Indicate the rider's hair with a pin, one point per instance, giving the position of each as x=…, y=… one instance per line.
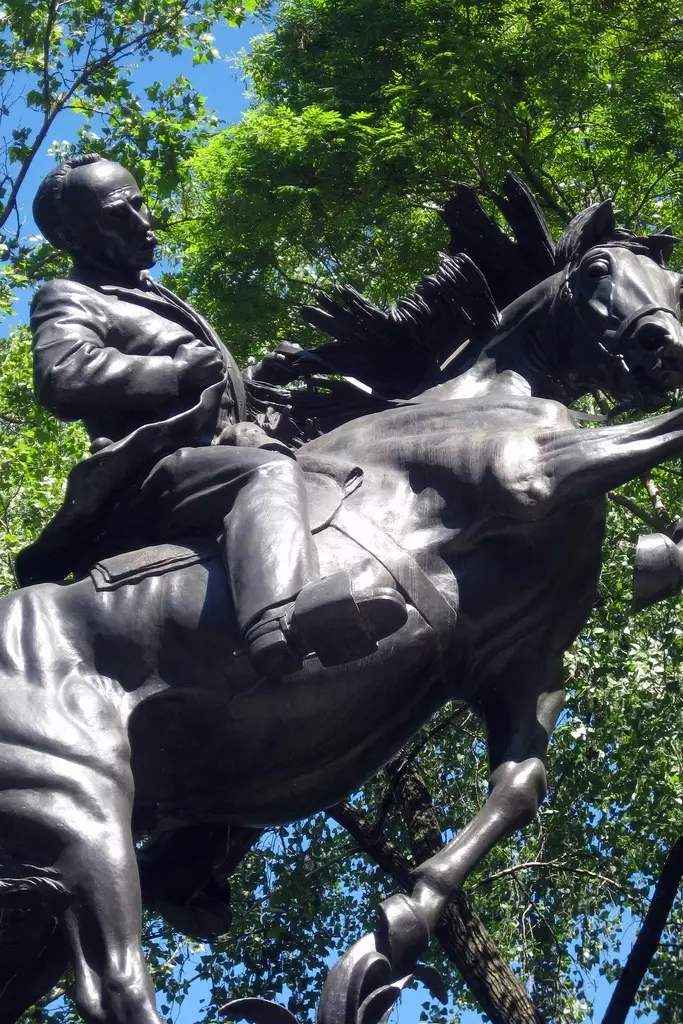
x=49, y=206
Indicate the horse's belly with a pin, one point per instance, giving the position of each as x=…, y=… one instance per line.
x=532, y=584
x=285, y=749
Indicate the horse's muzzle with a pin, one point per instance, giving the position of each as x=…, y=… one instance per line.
x=655, y=356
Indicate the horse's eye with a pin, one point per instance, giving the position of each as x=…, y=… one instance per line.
x=598, y=268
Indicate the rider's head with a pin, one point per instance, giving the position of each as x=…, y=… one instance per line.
x=93, y=209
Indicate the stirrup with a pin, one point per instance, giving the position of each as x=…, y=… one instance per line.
x=328, y=621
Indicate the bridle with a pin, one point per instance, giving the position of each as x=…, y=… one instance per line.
x=615, y=336
x=606, y=341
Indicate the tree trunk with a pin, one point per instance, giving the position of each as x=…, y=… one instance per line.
x=645, y=947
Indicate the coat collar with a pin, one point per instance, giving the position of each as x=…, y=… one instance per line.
x=144, y=291
x=105, y=280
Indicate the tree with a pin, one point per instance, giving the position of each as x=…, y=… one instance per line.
x=365, y=115
x=57, y=56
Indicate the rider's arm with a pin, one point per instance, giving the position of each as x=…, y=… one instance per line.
x=75, y=371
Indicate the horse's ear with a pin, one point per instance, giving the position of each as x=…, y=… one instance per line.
x=665, y=243
x=588, y=228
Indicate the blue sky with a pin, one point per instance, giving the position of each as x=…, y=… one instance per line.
x=224, y=88
x=220, y=82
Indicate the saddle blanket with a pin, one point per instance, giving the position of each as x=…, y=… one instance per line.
x=135, y=566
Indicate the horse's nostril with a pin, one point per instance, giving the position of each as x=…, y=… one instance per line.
x=652, y=337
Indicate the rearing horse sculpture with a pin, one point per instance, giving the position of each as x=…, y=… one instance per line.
x=122, y=695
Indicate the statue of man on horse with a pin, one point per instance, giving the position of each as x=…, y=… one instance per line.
x=164, y=404
x=458, y=510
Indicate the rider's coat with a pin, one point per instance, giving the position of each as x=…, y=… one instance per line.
x=89, y=338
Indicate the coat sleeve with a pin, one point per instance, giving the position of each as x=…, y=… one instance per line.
x=76, y=372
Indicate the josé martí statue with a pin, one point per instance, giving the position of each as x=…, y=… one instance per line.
x=460, y=521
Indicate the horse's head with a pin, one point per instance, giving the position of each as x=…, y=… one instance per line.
x=622, y=307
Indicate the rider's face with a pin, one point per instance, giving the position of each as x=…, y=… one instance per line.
x=109, y=226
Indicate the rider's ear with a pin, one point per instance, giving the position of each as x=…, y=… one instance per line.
x=66, y=237
x=588, y=228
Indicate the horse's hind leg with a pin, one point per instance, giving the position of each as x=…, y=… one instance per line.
x=33, y=957
x=103, y=921
x=520, y=714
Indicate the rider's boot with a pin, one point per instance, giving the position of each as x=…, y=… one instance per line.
x=326, y=619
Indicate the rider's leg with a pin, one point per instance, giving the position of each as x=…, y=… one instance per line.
x=257, y=499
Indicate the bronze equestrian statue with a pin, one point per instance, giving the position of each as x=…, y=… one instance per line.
x=129, y=698
x=159, y=394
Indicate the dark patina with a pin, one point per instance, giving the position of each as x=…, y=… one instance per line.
x=471, y=492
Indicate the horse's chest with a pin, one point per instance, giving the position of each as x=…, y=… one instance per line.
x=527, y=579
x=468, y=461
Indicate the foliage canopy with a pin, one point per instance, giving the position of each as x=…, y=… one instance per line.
x=365, y=115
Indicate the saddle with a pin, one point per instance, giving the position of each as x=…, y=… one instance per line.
x=326, y=507
x=325, y=497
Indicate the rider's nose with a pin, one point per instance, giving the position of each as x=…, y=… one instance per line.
x=143, y=218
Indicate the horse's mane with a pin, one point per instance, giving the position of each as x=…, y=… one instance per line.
x=438, y=331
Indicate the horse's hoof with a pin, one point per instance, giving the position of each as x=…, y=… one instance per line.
x=402, y=933
x=365, y=983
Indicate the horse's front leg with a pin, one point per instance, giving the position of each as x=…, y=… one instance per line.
x=520, y=714
x=103, y=921
x=572, y=465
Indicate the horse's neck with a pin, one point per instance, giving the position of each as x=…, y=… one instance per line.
x=520, y=357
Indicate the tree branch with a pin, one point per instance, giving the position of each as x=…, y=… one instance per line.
x=648, y=939
x=379, y=849
x=50, y=997
x=557, y=864
x=539, y=187
x=658, y=506
x=405, y=758
x=636, y=510
x=51, y=113
x=51, y=14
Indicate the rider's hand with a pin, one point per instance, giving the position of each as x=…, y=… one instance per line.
x=250, y=435
x=198, y=366
x=278, y=367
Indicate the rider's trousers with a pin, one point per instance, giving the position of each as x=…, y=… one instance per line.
x=255, y=499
